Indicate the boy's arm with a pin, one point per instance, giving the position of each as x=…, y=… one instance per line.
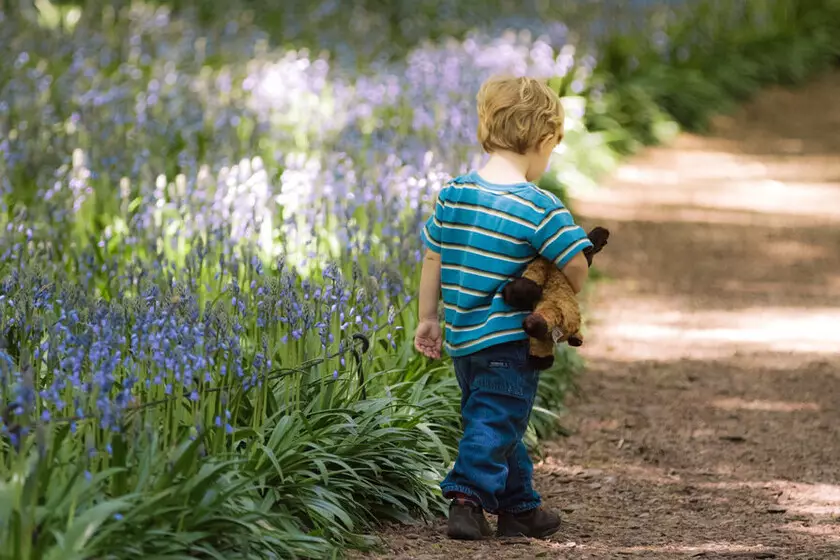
x=430, y=287
x=428, y=339
x=576, y=272
x=560, y=240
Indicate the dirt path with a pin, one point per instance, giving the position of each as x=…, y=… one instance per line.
x=710, y=420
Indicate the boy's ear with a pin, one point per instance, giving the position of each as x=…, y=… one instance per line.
x=547, y=142
x=552, y=140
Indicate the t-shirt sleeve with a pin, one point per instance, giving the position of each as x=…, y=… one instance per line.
x=432, y=229
x=558, y=238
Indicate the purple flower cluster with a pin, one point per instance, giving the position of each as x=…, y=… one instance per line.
x=184, y=211
x=164, y=338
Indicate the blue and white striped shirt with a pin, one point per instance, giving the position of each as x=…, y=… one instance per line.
x=487, y=234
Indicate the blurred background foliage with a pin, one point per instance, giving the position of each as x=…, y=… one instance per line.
x=209, y=244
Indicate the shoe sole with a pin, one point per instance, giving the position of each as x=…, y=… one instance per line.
x=465, y=537
x=545, y=534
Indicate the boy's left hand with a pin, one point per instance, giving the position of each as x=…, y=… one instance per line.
x=428, y=339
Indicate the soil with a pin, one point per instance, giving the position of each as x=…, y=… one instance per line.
x=708, y=424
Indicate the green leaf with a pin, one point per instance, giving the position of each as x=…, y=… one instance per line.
x=427, y=429
x=185, y=460
x=86, y=524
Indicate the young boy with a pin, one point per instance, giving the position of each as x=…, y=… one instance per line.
x=487, y=226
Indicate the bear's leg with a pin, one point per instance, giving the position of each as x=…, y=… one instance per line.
x=536, y=326
x=576, y=340
x=524, y=293
x=558, y=309
x=541, y=355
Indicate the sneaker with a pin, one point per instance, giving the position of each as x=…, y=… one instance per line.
x=537, y=523
x=467, y=521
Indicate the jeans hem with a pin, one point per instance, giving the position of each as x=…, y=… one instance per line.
x=451, y=488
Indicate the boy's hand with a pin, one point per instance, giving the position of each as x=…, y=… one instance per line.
x=429, y=338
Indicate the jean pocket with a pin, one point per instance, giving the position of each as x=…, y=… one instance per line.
x=499, y=363
x=512, y=354
x=507, y=372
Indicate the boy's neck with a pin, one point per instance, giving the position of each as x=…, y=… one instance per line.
x=505, y=167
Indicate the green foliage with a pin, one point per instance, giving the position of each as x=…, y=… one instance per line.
x=300, y=484
x=555, y=384
x=717, y=54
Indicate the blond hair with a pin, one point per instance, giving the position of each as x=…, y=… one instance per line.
x=517, y=114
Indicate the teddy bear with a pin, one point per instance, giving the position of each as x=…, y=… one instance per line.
x=555, y=315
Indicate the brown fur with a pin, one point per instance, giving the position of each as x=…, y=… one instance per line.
x=558, y=308
x=555, y=314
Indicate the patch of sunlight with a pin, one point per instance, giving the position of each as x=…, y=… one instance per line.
x=295, y=93
x=675, y=166
x=613, y=205
x=672, y=167
x=764, y=406
x=792, y=251
x=769, y=329
x=813, y=499
x=828, y=531
x=547, y=544
x=729, y=202
x=812, y=168
x=701, y=179
x=798, y=498
x=771, y=196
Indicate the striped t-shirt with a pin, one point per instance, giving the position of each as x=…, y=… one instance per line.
x=486, y=235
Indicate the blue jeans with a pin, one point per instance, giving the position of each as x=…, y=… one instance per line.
x=498, y=388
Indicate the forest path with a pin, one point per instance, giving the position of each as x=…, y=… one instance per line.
x=709, y=422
